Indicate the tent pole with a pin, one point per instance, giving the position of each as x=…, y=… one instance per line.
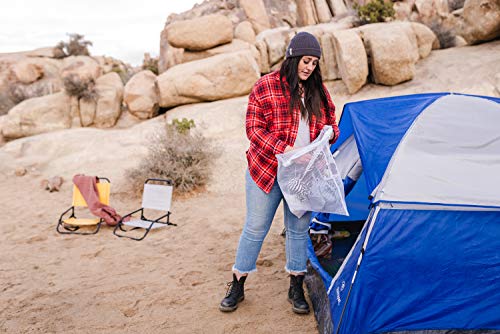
x=362, y=252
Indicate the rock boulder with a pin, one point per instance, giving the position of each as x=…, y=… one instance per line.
x=200, y=33
x=141, y=95
x=109, y=88
x=214, y=78
x=38, y=115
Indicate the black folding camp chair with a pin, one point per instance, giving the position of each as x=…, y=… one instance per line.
x=155, y=197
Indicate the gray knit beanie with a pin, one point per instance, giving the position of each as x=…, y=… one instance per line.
x=303, y=44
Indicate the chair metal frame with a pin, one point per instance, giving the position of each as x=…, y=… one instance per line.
x=119, y=229
x=68, y=229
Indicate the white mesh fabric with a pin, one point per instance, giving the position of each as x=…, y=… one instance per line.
x=156, y=196
x=143, y=224
x=347, y=157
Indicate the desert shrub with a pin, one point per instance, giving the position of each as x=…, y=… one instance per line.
x=375, y=11
x=150, y=64
x=81, y=88
x=76, y=46
x=124, y=74
x=183, y=126
x=183, y=156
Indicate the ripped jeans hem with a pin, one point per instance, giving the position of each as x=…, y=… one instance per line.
x=243, y=272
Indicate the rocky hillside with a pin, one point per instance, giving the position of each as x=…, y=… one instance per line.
x=97, y=151
x=218, y=50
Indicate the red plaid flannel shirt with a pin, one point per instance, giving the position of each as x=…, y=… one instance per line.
x=270, y=128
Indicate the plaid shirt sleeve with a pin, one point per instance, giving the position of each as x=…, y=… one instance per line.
x=256, y=126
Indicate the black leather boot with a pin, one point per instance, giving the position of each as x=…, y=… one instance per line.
x=296, y=295
x=235, y=294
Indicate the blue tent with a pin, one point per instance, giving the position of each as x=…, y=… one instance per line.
x=427, y=255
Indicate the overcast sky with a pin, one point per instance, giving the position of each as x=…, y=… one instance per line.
x=123, y=29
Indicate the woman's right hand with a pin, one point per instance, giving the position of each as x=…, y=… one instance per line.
x=303, y=159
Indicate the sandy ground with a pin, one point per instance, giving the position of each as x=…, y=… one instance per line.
x=173, y=281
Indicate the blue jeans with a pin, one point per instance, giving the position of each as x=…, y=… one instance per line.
x=261, y=208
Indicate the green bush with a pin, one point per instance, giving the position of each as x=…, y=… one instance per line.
x=76, y=46
x=184, y=125
x=150, y=64
x=124, y=73
x=177, y=154
x=375, y=11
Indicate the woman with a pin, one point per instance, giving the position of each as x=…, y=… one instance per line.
x=286, y=109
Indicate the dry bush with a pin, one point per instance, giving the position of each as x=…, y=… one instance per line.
x=123, y=72
x=81, y=88
x=185, y=158
x=76, y=46
x=151, y=64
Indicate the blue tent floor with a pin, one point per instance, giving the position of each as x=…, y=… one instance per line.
x=314, y=283
x=341, y=247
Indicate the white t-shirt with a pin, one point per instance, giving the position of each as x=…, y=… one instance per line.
x=303, y=137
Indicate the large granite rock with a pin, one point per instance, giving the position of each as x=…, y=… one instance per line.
x=38, y=115
x=338, y=7
x=482, y=20
x=214, y=78
x=276, y=41
x=109, y=88
x=46, y=52
x=323, y=11
x=26, y=71
x=83, y=67
x=169, y=56
x=234, y=46
x=391, y=54
x=306, y=13
x=256, y=12
x=264, y=56
x=141, y=95
x=200, y=33
x=351, y=59
x=29, y=77
x=244, y=31
x=425, y=39
x=328, y=61
x=86, y=111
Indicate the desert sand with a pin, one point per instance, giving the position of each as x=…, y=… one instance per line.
x=173, y=281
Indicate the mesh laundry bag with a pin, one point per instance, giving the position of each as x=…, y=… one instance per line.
x=309, y=178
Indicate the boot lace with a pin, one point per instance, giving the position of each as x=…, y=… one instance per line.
x=230, y=288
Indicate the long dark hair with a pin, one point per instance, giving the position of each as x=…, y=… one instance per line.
x=315, y=95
